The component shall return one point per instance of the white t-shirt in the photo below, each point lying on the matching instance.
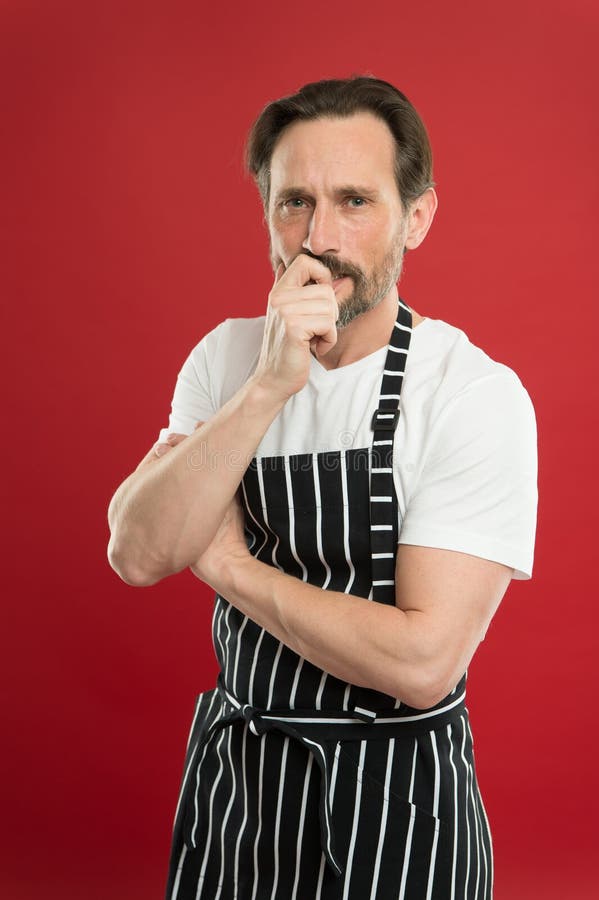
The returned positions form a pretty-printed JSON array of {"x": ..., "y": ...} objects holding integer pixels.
[{"x": 465, "y": 451}]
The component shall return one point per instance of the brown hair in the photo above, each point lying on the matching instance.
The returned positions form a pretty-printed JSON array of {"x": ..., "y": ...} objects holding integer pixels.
[{"x": 334, "y": 98}]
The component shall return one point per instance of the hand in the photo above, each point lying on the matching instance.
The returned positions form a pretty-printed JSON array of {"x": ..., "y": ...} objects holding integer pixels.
[
  {"x": 228, "y": 546},
  {"x": 301, "y": 315},
  {"x": 162, "y": 447}
]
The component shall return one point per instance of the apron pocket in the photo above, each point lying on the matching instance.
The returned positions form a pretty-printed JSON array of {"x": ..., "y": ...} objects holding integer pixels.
[{"x": 378, "y": 831}]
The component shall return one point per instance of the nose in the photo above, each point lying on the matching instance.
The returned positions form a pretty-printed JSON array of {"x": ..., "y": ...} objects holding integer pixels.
[{"x": 323, "y": 232}]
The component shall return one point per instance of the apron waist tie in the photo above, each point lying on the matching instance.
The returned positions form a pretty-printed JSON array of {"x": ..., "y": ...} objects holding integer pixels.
[{"x": 315, "y": 728}]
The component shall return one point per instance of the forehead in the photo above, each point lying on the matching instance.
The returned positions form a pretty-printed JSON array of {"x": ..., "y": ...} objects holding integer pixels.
[{"x": 321, "y": 152}]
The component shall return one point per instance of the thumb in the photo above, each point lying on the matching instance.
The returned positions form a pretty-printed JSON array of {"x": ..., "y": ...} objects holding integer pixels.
[{"x": 161, "y": 449}]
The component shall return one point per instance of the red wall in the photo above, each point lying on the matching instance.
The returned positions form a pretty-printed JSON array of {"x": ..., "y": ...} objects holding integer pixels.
[{"x": 128, "y": 230}]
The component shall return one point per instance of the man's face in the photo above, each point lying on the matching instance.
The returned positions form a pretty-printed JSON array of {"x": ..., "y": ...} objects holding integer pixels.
[{"x": 333, "y": 195}]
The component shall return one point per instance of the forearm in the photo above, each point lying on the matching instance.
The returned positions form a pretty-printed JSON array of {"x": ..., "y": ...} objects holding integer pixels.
[
  {"x": 359, "y": 641},
  {"x": 165, "y": 514},
  {"x": 164, "y": 517}
]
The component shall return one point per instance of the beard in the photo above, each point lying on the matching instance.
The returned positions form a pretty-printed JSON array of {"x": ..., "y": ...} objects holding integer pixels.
[{"x": 368, "y": 288}]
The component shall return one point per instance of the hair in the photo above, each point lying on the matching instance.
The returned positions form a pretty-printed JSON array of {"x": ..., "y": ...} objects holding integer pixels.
[{"x": 340, "y": 98}]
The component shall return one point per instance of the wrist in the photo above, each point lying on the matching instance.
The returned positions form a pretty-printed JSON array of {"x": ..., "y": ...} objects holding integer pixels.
[
  {"x": 235, "y": 574},
  {"x": 263, "y": 393}
]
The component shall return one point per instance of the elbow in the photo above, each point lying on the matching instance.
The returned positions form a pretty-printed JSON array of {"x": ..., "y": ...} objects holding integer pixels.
[
  {"x": 426, "y": 698},
  {"x": 127, "y": 572},
  {"x": 426, "y": 687}
]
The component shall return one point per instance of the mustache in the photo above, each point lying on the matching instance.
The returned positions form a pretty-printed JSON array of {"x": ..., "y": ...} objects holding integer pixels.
[{"x": 337, "y": 267}]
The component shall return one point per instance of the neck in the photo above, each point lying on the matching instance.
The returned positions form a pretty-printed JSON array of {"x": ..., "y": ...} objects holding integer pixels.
[{"x": 365, "y": 334}]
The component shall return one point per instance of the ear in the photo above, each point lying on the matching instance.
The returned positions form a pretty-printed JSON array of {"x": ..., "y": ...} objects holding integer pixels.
[{"x": 420, "y": 218}]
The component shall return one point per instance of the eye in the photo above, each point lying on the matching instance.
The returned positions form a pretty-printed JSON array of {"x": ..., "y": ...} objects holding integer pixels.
[
  {"x": 356, "y": 202},
  {"x": 294, "y": 203}
]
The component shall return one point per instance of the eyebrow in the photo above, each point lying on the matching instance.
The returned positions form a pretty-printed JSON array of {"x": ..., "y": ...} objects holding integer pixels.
[{"x": 344, "y": 190}]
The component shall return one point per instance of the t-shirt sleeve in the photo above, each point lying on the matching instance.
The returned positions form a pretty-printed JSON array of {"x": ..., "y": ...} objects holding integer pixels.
[
  {"x": 477, "y": 489},
  {"x": 193, "y": 400}
]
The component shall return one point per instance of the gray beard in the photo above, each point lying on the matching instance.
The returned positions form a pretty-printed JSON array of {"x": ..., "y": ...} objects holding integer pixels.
[{"x": 369, "y": 291}]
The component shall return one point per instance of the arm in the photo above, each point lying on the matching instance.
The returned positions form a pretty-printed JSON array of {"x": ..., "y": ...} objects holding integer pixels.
[
  {"x": 170, "y": 507},
  {"x": 166, "y": 513},
  {"x": 477, "y": 493},
  {"x": 416, "y": 651}
]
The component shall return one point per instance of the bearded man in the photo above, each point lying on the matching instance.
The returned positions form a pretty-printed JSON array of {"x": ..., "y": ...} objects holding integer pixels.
[{"x": 357, "y": 483}]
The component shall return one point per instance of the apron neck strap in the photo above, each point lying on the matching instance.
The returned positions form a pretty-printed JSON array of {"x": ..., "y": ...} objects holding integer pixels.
[{"x": 383, "y": 499}]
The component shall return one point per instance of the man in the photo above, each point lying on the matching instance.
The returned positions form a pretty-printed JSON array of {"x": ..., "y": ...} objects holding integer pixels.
[{"x": 359, "y": 490}]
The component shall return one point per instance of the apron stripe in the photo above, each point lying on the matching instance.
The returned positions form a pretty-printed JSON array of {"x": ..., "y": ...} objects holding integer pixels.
[
  {"x": 455, "y": 815},
  {"x": 352, "y": 570},
  {"x": 259, "y": 813},
  {"x": 237, "y": 652},
  {"x": 273, "y": 674},
  {"x": 407, "y": 854},
  {"x": 278, "y": 816},
  {"x": 211, "y": 807},
  {"x": 223, "y": 829},
  {"x": 290, "y": 506},
  {"x": 466, "y": 788},
  {"x": 301, "y": 828},
  {"x": 319, "y": 523},
  {"x": 179, "y": 872},
  {"x": 383, "y": 822},
  {"x": 245, "y": 810},
  {"x": 355, "y": 821},
  {"x": 248, "y": 506}
]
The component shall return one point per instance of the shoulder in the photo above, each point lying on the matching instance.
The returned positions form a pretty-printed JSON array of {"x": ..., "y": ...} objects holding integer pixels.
[
  {"x": 470, "y": 477},
  {"x": 226, "y": 356},
  {"x": 243, "y": 337},
  {"x": 444, "y": 367}
]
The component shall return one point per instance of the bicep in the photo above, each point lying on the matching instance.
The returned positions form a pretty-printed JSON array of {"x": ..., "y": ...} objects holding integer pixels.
[
  {"x": 450, "y": 597},
  {"x": 476, "y": 492}
]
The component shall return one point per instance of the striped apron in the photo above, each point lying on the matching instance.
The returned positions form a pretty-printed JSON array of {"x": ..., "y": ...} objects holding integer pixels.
[{"x": 296, "y": 785}]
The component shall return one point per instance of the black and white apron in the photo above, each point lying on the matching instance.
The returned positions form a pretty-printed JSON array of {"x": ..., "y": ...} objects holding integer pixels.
[{"x": 296, "y": 785}]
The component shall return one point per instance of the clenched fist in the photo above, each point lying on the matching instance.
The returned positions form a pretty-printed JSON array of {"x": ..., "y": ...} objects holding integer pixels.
[{"x": 301, "y": 315}]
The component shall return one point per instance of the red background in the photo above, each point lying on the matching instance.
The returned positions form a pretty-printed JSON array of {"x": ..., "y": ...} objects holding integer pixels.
[{"x": 129, "y": 230}]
